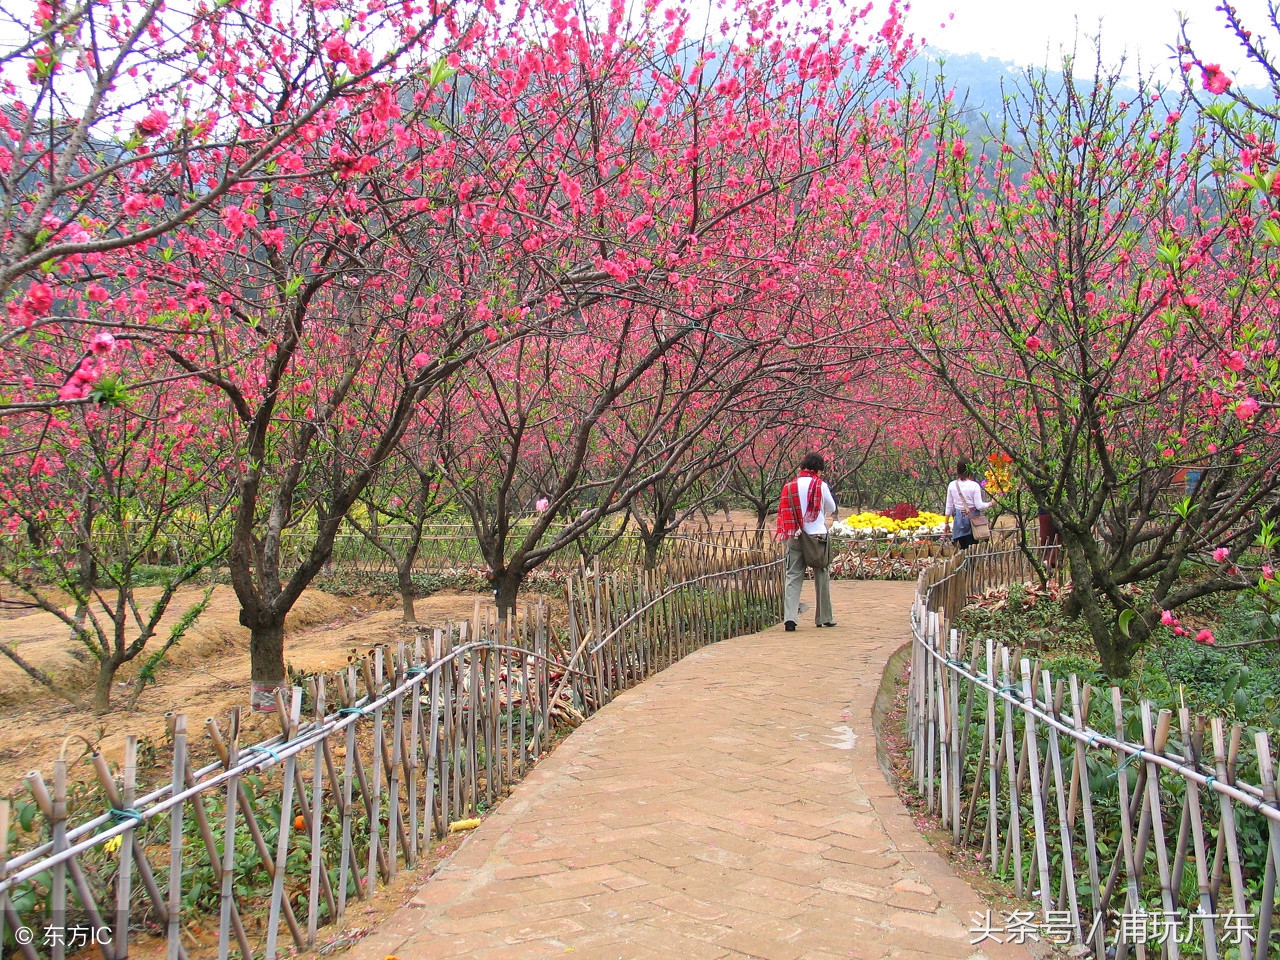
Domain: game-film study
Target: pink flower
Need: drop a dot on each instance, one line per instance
(1214, 80)
(102, 344)
(638, 224)
(1246, 408)
(1268, 572)
(97, 292)
(337, 48)
(1167, 618)
(1234, 361)
(1033, 343)
(421, 359)
(153, 124)
(39, 299)
(542, 505)
(1221, 554)
(1205, 636)
(237, 221)
(958, 149)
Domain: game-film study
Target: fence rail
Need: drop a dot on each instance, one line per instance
(371, 764)
(1138, 830)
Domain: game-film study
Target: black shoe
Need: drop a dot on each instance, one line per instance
(790, 626)
(829, 623)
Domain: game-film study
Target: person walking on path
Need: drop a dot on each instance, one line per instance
(805, 506)
(964, 498)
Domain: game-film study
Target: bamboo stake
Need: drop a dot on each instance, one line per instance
(179, 732)
(124, 875)
(1266, 773)
(415, 735)
(347, 859)
(317, 801)
(1126, 826)
(286, 822)
(394, 824)
(226, 899)
(1154, 741)
(1064, 827)
(1037, 800)
(375, 800)
(1191, 750)
(1079, 714)
(145, 873)
(1227, 826)
(1015, 804)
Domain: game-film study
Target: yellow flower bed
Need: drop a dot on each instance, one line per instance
(863, 525)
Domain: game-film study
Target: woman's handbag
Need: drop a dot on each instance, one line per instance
(979, 525)
(815, 550)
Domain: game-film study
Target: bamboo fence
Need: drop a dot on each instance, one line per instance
(1138, 831)
(452, 547)
(371, 764)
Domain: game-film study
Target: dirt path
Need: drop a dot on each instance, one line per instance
(730, 807)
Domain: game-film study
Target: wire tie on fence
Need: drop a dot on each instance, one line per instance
(1210, 780)
(415, 672)
(353, 711)
(1093, 738)
(258, 748)
(1125, 762)
(126, 813)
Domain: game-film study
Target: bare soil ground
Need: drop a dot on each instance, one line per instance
(206, 675)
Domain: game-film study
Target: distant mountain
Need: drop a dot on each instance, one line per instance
(981, 82)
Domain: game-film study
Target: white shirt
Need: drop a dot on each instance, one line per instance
(964, 493)
(819, 526)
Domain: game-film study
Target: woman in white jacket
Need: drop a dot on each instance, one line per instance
(964, 497)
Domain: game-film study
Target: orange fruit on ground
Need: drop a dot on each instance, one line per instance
(299, 823)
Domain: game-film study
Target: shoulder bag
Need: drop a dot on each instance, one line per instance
(979, 525)
(816, 551)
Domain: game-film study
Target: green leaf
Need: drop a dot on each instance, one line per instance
(440, 72)
(1126, 617)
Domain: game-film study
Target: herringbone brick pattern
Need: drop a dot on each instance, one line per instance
(730, 807)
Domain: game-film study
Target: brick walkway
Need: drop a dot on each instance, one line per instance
(730, 807)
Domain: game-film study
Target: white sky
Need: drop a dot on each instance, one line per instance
(1036, 32)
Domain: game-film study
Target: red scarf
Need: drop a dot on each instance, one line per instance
(790, 518)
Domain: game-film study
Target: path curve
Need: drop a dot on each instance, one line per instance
(731, 806)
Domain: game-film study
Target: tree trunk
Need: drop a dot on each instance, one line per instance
(506, 589)
(652, 548)
(102, 688)
(1115, 650)
(406, 594)
(266, 663)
